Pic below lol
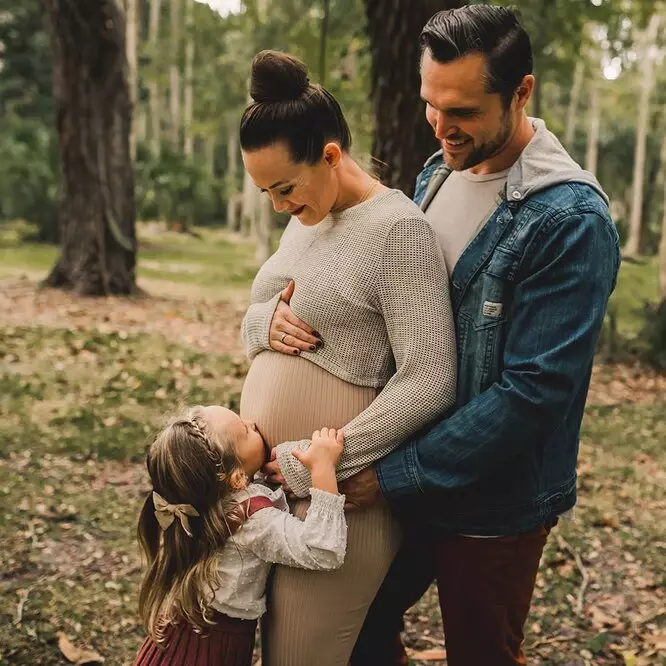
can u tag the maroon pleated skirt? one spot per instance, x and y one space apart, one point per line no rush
229 643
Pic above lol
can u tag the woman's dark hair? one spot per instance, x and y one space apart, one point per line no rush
287 107
493 31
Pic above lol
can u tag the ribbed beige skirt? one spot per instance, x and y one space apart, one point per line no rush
314 617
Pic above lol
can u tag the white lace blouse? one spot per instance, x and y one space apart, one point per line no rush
273 535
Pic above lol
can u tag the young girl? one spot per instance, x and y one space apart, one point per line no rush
210 536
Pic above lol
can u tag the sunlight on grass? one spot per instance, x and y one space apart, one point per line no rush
213 258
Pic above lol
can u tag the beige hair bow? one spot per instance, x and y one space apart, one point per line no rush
166 513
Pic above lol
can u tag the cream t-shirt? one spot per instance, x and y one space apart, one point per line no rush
461 208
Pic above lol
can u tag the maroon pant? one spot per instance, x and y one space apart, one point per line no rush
485 590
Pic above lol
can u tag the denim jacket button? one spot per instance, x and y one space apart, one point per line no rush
516 195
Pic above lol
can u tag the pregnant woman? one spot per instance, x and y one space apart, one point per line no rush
360 264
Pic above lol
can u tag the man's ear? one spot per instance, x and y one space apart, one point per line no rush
332 154
524 92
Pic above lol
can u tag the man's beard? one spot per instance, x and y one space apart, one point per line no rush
488 149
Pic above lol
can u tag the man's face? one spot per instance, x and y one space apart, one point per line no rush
471 124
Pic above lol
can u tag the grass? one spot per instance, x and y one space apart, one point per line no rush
78 404
75 409
211 259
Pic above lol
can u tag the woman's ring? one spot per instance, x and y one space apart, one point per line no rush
282 337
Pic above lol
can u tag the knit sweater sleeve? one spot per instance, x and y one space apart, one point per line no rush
256 326
412 292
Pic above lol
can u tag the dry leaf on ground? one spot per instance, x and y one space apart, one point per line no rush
77 655
435 654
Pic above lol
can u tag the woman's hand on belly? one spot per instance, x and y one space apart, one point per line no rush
288 334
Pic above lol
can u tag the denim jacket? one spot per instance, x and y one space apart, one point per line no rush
529 295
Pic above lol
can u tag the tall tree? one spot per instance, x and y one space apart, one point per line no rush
92 102
662 243
174 73
264 223
402 138
574 103
131 40
633 245
153 87
189 83
594 123
231 180
249 205
322 42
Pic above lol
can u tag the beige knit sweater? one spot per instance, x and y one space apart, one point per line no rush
372 281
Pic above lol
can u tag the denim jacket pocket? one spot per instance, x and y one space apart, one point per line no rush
482 321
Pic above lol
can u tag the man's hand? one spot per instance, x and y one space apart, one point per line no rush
361 490
289 334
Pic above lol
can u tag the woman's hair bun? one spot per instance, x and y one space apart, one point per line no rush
277 77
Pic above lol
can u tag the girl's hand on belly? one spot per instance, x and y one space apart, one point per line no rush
321 457
272 472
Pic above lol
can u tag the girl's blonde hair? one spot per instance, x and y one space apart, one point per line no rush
187 464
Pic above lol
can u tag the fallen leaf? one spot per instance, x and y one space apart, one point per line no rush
629 658
428 655
77 655
658 640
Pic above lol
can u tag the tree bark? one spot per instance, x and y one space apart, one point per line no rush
153 88
402 139
93 109
248 205
574 102
131 40
633 245
594 123
174 74
263 230
662 242
323 38
189 73
233 217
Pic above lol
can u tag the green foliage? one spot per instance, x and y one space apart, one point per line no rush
172 188
28 173
25 72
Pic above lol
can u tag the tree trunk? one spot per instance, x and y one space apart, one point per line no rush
633 246
189 70
402 138
174 74
131 39
153 88
594 122
249 205
574 102
662 243
323 38
141 122
93 109
263 230
233 218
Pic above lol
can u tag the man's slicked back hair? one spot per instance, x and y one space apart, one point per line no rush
494 32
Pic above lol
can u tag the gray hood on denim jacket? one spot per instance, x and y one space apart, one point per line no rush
543 163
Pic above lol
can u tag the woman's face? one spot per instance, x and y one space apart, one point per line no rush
308 192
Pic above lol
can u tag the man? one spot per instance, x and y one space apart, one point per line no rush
533 257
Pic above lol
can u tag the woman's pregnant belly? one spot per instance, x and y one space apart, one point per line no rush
289 397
